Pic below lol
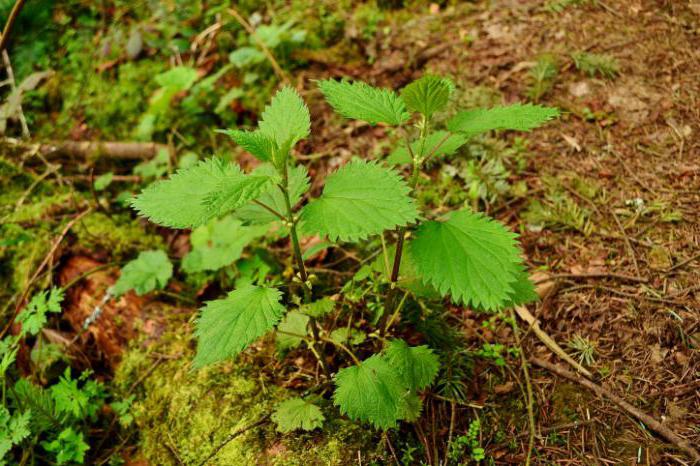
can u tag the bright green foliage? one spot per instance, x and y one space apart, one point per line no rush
33 316
523 289
291 331
13 429
297 413
68 398
179 202
256 142
318 308
298 185
514 117
69 447
427 95
285 121
411 407
150 271
441 142
236 190
371 391
219 243
360 101
416 365
227 326
471 257
359 200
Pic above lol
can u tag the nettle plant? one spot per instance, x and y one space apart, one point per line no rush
465 256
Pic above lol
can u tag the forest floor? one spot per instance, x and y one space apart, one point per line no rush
606 200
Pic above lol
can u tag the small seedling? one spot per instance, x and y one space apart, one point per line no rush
594 64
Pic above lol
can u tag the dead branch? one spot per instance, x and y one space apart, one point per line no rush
652 423
95 149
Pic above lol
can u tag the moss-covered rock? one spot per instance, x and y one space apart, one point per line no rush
118 234
184 415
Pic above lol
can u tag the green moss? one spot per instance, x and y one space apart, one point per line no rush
117 234
186 414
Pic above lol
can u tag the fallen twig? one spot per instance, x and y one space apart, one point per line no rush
652 423
574 276
525 315
94 149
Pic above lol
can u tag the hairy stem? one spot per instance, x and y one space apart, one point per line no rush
303 275
390 301
528 387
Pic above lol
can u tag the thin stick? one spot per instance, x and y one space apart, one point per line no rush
266 51
270 209
528 387
525 315
10 22
574 276
13 86
652 423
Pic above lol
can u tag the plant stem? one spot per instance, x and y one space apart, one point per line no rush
389 302
303 275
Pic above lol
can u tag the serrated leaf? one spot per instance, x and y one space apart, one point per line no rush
472 257
291 330
286 120
359 200
149 271
227 326
235 190
371 391
178 202
360 101
416 365
523 290
219 243
427 95
411 407
256 143
400 155
519 117
297 413
298 185
318 308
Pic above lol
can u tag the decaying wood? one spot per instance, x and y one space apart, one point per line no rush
95 149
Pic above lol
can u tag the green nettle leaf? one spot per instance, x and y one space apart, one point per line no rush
219 243
236 190
360 101
286 120
291 330
227 326
298 185
523 290
258 144
514 117
318 308
371 391
416 365
359 200
150 270
411 407
449 146
297 413
427 95
179 202
472 257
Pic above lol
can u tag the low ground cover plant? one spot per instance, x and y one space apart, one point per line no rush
463 256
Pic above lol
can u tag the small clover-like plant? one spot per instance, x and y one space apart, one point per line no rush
466 256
